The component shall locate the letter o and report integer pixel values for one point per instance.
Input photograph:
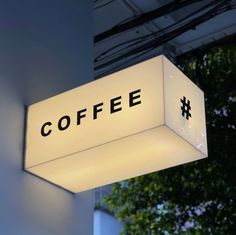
(60, 123)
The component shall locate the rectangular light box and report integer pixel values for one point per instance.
(142, 119)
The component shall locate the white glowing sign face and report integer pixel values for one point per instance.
(142, 119)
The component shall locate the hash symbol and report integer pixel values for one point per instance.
(185, 108)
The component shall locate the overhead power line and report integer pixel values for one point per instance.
(144, 18)
(218, 8)
(140, 40)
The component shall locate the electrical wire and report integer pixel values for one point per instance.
(221, 7)
(143, 18)
(151, 35)
(162, 31)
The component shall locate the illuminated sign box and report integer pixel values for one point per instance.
(142, 119)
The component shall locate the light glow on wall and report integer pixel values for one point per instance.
(142, 119)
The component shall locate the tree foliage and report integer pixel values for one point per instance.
(198, 197)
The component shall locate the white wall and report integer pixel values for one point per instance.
(46, 47)
(105, 224)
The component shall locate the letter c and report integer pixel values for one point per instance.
(43, 133)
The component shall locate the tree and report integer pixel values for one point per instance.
(198, 197)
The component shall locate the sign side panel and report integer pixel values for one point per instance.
(184, 107)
